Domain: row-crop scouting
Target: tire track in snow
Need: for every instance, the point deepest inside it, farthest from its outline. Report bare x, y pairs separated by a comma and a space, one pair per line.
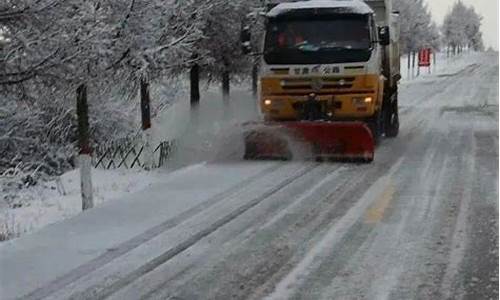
237, 242
108, 290
287, 286
415, 248
335, 264
357, 183
127, 246
284, 239
428, 120
332, 207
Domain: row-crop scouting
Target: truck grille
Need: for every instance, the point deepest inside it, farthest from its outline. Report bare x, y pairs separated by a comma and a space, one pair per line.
317, 84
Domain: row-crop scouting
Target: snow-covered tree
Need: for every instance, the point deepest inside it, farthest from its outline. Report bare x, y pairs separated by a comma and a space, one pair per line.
49, 47
89, 39
417, 28
218, 52
462, 28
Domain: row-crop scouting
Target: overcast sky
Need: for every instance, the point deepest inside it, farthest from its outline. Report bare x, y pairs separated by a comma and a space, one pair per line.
487, 8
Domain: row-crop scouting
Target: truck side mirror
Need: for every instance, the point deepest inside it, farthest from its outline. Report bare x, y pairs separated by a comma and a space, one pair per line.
384, 36
245, 39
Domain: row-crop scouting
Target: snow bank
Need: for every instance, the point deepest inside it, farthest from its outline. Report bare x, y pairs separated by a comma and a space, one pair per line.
50, 202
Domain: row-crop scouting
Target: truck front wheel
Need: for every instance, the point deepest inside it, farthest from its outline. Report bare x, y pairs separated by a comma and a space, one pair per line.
375, 124
391, 126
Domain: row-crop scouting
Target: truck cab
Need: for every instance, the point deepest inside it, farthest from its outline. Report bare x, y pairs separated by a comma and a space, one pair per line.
342, 53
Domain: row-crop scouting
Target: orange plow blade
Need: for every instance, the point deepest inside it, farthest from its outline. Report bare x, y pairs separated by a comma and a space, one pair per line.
310, 139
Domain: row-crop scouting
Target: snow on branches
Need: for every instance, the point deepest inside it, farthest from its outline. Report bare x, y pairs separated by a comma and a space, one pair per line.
49, 47
417, 28
82, 40
462, 28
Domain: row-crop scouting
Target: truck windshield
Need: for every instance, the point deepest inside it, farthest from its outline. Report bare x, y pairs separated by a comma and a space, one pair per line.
326, 40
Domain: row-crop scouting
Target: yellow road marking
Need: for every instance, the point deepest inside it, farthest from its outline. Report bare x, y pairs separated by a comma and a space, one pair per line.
376, 212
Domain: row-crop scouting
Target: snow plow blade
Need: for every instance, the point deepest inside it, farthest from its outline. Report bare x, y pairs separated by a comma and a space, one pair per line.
352, 141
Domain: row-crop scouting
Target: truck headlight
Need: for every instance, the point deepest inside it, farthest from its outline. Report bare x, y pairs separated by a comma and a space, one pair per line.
268, 102
362, 101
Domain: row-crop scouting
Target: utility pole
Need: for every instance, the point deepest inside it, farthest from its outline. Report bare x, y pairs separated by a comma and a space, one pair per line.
85, 151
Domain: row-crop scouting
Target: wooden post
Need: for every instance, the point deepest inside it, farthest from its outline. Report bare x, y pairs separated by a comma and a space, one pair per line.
146, 124
194, 78
85, 151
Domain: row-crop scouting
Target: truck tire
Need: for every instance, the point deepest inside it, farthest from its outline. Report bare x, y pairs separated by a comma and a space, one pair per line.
375, 124
391, 125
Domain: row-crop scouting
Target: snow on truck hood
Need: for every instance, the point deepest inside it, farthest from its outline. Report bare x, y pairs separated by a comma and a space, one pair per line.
351, 6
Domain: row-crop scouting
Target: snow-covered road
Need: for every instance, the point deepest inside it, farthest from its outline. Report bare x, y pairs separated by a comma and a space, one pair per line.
421, 222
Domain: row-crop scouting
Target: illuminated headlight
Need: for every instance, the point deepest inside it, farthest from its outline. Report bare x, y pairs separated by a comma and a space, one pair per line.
361, 101
268, 102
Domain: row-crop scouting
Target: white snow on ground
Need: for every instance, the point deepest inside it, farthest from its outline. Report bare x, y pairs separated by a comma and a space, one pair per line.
286, 287
444, 66
98, 231
60, 199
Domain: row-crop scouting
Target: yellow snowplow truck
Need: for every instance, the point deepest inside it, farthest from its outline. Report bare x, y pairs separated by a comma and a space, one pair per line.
329, 77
